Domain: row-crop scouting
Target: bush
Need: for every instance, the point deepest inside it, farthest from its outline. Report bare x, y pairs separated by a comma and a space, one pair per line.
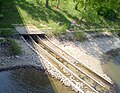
107, 13
57, 29
80, 36
14, 48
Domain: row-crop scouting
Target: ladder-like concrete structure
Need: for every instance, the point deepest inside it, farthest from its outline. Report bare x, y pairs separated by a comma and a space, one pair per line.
29, 30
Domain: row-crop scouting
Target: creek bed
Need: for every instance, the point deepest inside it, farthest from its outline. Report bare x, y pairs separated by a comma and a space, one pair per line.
29, 80
112, 67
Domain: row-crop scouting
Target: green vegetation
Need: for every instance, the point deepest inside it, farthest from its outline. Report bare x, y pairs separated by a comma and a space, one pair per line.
13, 48
106, 8
35, 12
56, 15
79, 36
11, 45
9, 14
6, 33
56, 29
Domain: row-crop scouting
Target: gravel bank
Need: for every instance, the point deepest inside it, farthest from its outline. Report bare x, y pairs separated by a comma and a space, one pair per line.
28, 57
90, 52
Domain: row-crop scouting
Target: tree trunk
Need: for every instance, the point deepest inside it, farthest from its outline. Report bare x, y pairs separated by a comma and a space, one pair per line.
47, 3
58, 3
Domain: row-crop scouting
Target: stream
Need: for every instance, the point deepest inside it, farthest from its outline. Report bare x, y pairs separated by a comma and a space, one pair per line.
29, 80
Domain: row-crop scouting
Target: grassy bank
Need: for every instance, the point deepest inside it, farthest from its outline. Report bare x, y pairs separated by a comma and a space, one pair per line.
54, 19
9, 14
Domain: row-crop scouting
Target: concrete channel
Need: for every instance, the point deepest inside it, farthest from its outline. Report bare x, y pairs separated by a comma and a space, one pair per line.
75, 72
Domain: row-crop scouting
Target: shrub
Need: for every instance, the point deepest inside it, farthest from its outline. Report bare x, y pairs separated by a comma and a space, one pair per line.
107, 13
14, 48
57, 29
80, 36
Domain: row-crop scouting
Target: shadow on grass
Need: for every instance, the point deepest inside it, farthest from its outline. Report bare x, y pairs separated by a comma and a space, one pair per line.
82, 24
9, 14
38, 12
115, 23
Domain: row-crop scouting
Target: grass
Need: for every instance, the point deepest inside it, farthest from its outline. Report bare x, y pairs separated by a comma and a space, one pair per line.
11, 46
14, 48
34, 12
10, 14
79, 36
6, 33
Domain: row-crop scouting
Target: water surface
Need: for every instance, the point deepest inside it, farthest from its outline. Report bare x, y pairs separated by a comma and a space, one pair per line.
27, 80
112, 66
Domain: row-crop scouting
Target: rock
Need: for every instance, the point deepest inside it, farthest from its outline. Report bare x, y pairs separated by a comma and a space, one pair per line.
8, 57
7, 60
18, 57
2, 64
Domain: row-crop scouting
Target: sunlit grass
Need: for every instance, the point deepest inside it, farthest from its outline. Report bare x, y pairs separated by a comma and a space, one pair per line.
34, 12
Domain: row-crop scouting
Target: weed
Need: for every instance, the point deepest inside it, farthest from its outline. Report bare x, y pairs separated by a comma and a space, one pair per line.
80, 36
57, 30
14, 48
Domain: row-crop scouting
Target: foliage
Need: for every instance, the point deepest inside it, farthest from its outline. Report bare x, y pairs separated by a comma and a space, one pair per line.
106, 8
11, 45
79, 36
9, 14
34, 12
6, 33
14, 48
58, 28
107, 13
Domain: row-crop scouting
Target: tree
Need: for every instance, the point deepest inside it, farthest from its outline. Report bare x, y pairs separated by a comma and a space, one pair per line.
47, 3
58, 3
106, 8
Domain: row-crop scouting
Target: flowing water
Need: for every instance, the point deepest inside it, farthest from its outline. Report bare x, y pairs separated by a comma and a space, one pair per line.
29, 80
112, 67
